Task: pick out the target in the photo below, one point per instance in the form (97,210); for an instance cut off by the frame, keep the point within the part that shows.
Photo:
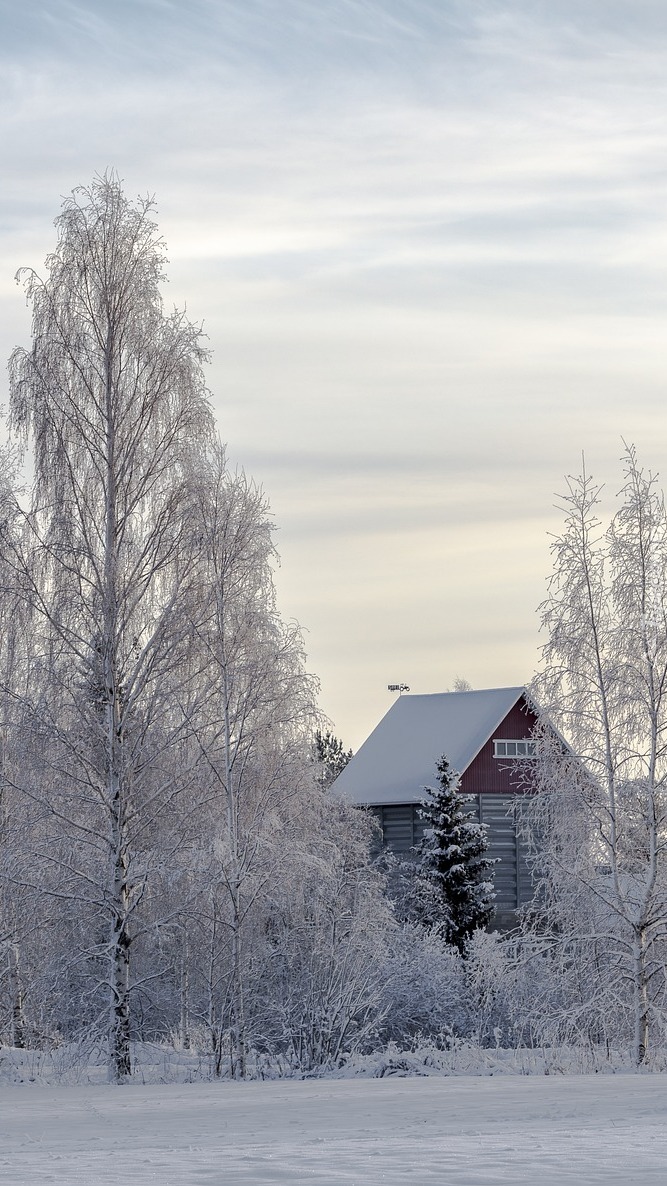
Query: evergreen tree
(453,887)
(330,756)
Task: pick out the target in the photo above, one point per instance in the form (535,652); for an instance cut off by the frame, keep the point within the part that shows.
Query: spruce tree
(330,755)
(453,887)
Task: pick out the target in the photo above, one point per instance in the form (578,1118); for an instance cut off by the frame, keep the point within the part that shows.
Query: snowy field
(459,1131)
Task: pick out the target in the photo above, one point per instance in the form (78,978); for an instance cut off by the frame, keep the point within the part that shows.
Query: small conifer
(330,755)
(454,891)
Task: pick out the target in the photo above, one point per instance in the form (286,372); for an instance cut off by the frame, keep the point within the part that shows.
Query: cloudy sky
(428,242)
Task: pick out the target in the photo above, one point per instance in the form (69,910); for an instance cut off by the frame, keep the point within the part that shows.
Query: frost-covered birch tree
(17,911)
(599,820)
(254,734)
(111,400)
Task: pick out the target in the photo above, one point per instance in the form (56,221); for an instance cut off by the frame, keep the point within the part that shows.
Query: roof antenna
(400,688)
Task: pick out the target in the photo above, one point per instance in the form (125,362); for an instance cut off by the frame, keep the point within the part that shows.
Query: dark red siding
(487,775)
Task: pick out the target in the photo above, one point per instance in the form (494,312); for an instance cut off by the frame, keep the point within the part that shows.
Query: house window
(514,749)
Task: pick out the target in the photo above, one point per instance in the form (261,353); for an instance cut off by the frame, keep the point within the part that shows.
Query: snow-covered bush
(325,973)
(425,987)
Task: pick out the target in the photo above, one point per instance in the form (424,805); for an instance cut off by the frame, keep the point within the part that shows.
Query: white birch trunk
(239,1041)
(184,994)
(18,1021)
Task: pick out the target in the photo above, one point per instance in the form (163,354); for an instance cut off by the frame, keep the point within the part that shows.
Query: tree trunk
(120,1065)
(16,997)
(239,1058)
(239,1066)
(184,1028)
(641,998)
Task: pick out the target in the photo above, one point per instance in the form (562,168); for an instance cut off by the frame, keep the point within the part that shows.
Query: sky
(427,240)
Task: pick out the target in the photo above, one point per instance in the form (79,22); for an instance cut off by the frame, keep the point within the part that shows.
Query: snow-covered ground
(451,1131)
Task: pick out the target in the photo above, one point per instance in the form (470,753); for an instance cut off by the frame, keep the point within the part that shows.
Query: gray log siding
(402,828)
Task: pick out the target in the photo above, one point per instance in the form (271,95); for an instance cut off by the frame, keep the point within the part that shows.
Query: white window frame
(515,748)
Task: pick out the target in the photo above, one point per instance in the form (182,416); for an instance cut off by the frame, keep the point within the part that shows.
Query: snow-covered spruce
(452,887)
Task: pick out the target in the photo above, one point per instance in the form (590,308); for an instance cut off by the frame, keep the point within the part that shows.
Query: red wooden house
(486,736)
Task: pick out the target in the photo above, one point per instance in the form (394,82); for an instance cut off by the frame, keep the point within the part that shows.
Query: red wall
(488,775)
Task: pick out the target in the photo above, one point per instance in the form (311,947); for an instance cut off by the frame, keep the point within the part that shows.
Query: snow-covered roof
(398,759)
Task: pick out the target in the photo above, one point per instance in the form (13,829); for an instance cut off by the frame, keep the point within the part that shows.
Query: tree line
(158,800)
(172,863)
(172,866)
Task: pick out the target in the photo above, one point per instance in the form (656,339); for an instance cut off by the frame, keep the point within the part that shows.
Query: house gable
(488,775)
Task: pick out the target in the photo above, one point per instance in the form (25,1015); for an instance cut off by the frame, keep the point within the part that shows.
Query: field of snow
(459,1131)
